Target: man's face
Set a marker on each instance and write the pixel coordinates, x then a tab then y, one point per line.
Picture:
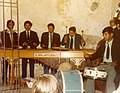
10	26
50	29
107	37
71	33
27	26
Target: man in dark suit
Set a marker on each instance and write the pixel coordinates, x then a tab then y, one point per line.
117	38
48	40
109	53
73	40
28	40
9	39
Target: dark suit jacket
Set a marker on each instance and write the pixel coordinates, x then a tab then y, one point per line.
100	51
45	40
78	42
115	53
8	40
33	39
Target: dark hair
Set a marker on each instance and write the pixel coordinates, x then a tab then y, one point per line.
108	29
10	21
72	29
51	24
118	4
27	22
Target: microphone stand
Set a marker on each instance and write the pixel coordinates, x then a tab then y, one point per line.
82	44
66	29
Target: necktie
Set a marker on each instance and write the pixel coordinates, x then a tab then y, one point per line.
28	35
108	51
71	43
51	39
11	37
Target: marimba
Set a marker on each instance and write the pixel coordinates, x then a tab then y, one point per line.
40	53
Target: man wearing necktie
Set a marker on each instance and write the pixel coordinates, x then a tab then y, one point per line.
109	54
72	40
27	35
9	39
71	43
48	40
28	40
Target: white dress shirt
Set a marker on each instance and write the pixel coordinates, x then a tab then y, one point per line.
27	33
49	43
11	34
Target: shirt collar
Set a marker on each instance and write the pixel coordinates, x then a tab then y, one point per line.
27	31
50	33
8	31
71	36
110	42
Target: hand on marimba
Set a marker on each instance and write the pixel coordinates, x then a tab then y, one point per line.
25	44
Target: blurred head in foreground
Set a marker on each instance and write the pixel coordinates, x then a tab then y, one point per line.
45	83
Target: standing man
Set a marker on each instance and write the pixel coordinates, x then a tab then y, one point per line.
9	39
117	38
48	40
72	40
28	40
117	30
109	54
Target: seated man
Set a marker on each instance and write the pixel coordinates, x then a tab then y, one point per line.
109	53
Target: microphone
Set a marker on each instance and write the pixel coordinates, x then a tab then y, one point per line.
82	33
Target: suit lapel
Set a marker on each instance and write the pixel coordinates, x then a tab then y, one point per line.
113	50
75	41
